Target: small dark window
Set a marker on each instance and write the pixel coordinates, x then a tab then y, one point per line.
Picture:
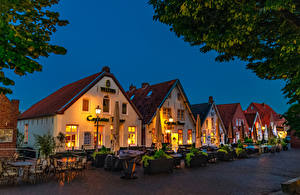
105	104
124	108
87	138
85	105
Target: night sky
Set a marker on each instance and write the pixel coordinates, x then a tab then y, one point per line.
122	35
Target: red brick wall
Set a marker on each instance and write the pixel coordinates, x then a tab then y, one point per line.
239	114
9	111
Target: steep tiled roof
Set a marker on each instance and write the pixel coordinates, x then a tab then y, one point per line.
265	112
227	112
149	98
201	109
59	101
250	117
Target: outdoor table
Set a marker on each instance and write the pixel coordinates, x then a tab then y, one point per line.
128	158
22	165
177	159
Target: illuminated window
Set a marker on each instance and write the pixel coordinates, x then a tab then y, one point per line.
131	135
100	136
190	136
85	105
106	104
6	135
167	113
153	134
167	136
71	136
87	138
26	134
180	136
124	108
180	115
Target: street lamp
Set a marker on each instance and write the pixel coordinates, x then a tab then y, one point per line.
171	120
98	111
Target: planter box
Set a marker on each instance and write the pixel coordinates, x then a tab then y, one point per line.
225	157
159	166
197	161
99	160
243	154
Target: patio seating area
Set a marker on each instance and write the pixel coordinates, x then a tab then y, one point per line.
14	171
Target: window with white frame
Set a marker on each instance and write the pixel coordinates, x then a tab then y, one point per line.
87	138
124	108
180	115
106	103
167	113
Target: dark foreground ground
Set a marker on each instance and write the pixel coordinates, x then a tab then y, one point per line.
256	175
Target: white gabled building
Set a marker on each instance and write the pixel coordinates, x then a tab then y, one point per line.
177	121
67	110
212	126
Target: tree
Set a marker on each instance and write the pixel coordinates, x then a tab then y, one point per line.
263	33
26	27
293	118
46	144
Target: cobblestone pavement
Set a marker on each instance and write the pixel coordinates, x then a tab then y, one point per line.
256	175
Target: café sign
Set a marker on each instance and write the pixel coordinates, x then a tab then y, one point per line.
107	88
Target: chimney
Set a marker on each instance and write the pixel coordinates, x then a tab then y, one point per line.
144	85
132	87
106	69
211	100
263	104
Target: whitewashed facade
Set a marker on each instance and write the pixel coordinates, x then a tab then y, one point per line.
80	132
176	108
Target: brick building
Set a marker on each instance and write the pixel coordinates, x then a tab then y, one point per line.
235	122
9	111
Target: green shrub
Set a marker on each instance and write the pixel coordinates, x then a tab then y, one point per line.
248	140
226	147
238	151
103	150
283	143
188	158
159	154
204	153
222	150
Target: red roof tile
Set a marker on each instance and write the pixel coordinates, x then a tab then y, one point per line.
227	112
250	117
148	104
59	101
266	112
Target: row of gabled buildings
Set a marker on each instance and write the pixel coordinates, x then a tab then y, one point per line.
69	110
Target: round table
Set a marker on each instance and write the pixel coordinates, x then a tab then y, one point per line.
21	165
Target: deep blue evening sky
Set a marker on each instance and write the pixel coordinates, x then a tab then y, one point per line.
122	35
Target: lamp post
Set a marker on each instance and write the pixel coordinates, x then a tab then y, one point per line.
98	111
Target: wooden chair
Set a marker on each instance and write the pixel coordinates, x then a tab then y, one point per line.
8	174
37	171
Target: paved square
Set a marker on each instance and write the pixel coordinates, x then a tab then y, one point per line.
256	175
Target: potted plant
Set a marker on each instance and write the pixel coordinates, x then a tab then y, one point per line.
196	158
158	163
62	140
46	144
225	153
240	153
99	157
